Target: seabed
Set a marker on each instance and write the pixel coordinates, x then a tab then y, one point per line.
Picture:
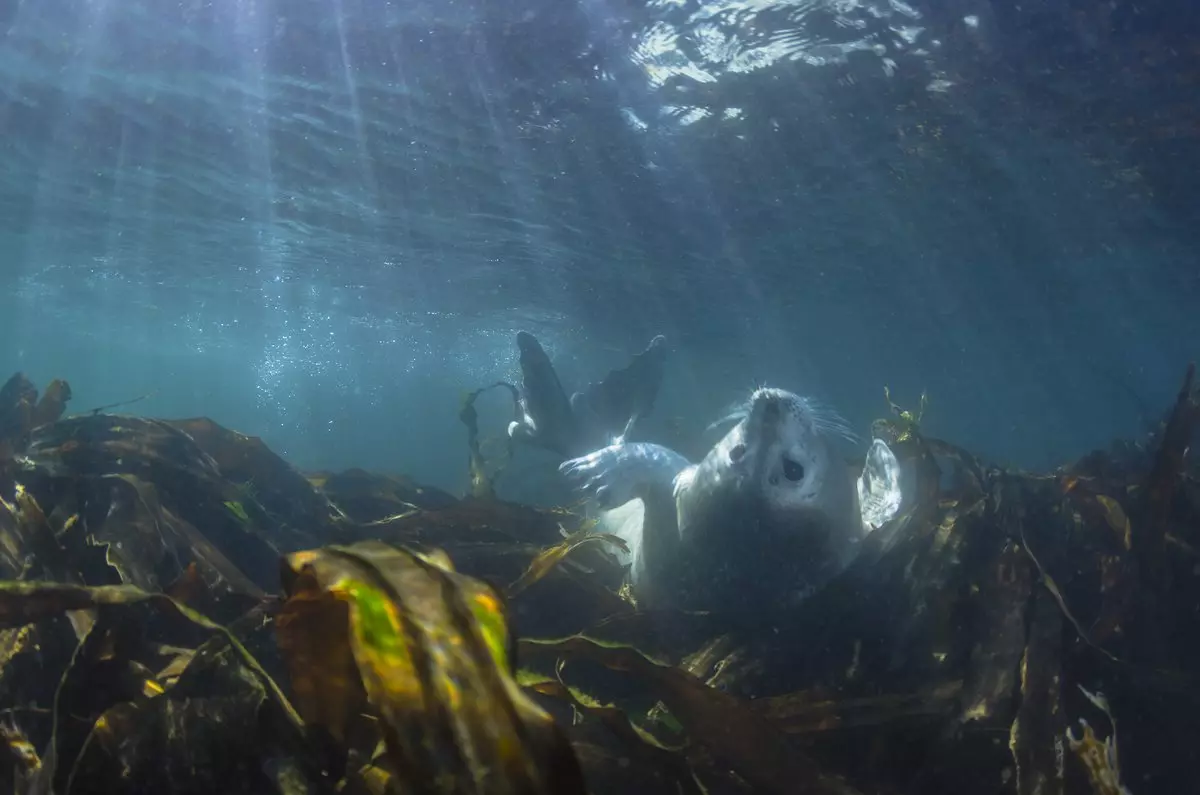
181	611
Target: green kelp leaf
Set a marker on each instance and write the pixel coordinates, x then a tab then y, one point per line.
238	510
727	726
430	650
547	559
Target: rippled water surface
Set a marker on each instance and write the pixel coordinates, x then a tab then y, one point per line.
320	221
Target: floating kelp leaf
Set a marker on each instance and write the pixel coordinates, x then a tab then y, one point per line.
549	558
728	727
431	652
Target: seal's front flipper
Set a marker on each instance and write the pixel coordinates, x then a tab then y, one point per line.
879	486
616	474
547	420
613	406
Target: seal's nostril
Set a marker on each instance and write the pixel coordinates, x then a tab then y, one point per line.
736	453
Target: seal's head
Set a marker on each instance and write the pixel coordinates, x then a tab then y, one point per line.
773	504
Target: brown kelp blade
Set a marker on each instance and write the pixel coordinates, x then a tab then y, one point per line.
107	675
546	560
728	727
428	651
24	603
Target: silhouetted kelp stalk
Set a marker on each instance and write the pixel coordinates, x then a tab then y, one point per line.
122	403
482	483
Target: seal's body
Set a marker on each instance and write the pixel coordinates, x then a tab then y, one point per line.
770	514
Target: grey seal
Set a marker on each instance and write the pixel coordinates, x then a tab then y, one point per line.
772	513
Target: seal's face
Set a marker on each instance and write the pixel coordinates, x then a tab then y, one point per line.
771	506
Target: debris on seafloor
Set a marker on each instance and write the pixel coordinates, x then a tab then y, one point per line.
184	612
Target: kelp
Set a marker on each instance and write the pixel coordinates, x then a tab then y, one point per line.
608	735
21	411
729	729
153	500
367	497
1100	759
152	640
547	559
284	494
109	704
428	652
482	480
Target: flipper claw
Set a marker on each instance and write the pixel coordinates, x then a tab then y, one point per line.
614	475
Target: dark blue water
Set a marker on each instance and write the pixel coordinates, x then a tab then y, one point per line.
319	222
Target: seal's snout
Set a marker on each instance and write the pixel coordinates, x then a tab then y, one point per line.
768	407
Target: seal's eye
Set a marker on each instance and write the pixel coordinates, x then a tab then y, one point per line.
792	471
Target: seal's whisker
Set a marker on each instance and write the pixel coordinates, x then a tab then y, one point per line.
828	421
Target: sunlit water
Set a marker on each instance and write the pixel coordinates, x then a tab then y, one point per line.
321	221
